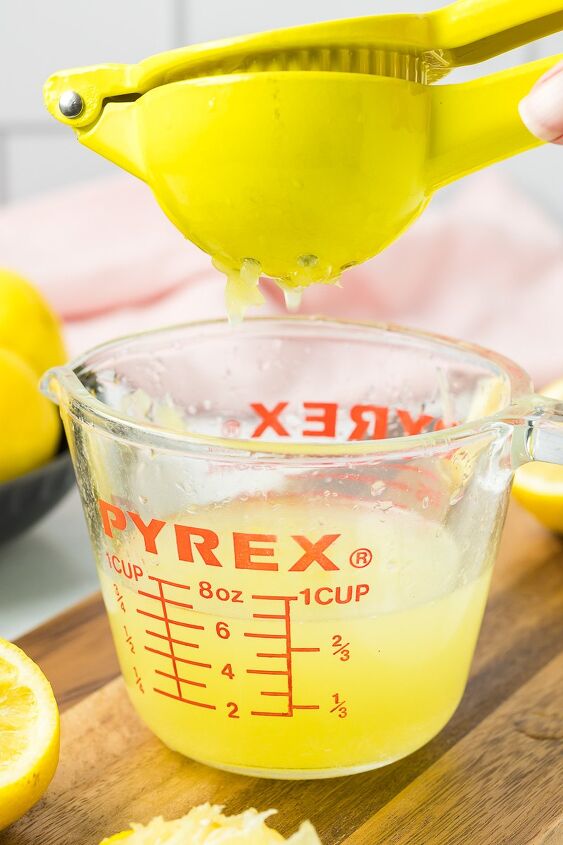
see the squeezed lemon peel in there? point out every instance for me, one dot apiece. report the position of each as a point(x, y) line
point(206, 825)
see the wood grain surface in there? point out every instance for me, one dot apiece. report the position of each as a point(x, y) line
point(493, 776)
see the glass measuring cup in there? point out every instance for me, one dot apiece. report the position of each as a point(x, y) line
point(294, 524)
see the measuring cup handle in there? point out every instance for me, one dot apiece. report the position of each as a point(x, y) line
point(538, 431)
point(475, 124)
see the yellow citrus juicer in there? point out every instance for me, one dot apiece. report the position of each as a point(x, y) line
point(301, 152)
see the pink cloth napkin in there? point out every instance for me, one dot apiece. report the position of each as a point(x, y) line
point(487, 266)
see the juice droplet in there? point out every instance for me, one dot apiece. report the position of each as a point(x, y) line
point(293, 298)
point(242, 289)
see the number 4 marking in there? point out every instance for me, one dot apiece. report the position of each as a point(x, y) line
point(227, 670)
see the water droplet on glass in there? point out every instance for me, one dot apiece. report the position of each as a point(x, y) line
point(425, 502)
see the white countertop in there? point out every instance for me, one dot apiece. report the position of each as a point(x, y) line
point(45, 570)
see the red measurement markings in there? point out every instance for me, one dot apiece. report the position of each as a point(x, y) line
point(172, 640)
point(185, 700)
point(119, 597)
point(183, 680)
point(176, 660)
point(267, 672)
point(285, 655)
point(138, 680)
point(171, 621)
point(129, 640)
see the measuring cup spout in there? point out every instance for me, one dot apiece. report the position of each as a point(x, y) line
point(477, 123)
point(52, 382)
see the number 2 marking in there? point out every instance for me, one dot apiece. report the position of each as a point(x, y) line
point(233, 710)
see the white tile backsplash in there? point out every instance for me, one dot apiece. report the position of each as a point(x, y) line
point(38, 162)
point(210, 19)
point(39, 37)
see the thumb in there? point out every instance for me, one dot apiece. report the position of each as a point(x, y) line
point(542, 109)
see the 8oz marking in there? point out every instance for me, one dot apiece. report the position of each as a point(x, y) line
point(208, 591)
point(361, 558)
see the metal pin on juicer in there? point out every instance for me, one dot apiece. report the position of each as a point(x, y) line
point(325, 140)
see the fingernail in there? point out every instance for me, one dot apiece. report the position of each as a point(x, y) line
point(542, 109)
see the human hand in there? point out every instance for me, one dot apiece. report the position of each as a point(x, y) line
point(542, 109)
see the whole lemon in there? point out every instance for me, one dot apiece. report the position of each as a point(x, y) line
point(29, 422)
point(28, 326)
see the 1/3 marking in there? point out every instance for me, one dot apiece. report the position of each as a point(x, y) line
point(207, 591)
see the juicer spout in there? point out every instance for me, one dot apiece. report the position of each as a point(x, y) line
point(99, 103)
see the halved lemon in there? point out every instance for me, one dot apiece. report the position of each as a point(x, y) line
point(29, 733)
point(539, 486)
point(207, 824)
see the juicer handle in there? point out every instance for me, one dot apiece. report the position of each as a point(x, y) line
point(471, 31)
point(474, 124)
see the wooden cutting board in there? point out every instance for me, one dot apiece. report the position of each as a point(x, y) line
point(494, 776)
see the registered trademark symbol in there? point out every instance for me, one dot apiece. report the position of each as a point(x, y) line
point(361, 558)
point(230, 428)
